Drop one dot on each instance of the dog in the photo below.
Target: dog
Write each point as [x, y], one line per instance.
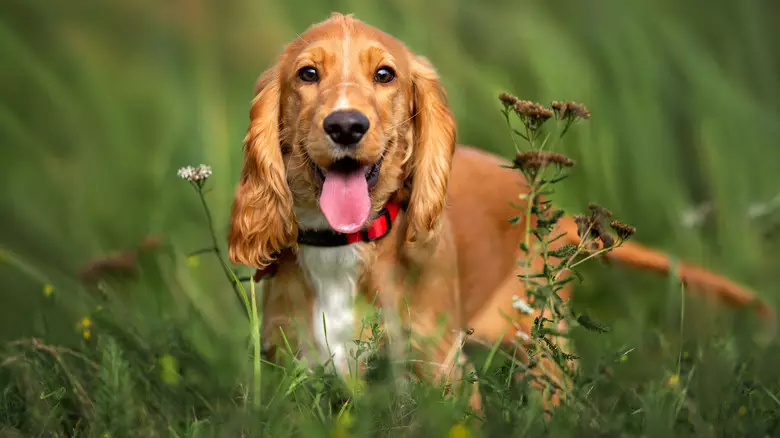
[353, 189]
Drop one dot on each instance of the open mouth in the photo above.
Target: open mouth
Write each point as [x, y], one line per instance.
[349, 165]
[345, 200]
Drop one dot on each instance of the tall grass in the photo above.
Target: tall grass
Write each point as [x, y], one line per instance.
[103, 101]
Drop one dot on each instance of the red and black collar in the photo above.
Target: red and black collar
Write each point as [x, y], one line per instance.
[379, 228]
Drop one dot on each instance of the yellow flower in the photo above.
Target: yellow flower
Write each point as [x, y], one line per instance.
[674, 379]
[86, 333]
[48, 289]
[193, 261]
[85, 322]
[742, 411]
[459, 430]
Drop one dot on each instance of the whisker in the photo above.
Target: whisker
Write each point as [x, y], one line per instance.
[393, 127]
[305, 161]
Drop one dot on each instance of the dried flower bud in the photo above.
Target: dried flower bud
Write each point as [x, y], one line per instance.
[623, 231]
[583, 223]
[532, 111]
[572, 110]
[508, 99]
[535, 160]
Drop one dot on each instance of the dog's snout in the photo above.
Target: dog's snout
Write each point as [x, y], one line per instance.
[346, 127]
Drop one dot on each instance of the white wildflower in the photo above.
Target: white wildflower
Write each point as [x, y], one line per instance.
[759, 209]
[695, 216]
[522, 305]
[523, 336]
[192, 174]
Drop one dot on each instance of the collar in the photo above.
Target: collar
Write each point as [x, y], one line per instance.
[379, 227]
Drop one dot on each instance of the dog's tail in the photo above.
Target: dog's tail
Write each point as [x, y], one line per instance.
[692, 276]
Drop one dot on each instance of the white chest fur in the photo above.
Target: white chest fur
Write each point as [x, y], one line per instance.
[333, 274]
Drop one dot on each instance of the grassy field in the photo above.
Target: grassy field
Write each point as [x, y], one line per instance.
[103, 101]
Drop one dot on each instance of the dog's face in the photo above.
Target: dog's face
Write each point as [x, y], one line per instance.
[346, 118]
[348, 96]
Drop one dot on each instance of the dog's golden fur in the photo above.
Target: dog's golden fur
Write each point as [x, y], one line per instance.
[287, 113]
[451, 252]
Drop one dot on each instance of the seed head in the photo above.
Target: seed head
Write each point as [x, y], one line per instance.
[535, 160]
[592, 226]
[508, 99]
[583, 223]
[571, 110]
[623, 231]
[532, 111]
[193, 174]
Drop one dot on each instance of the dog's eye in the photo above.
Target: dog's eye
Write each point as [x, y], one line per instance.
[308, 74]
[384, 75]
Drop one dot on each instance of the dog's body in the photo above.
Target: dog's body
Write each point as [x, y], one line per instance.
[470, 276]
[347, 123]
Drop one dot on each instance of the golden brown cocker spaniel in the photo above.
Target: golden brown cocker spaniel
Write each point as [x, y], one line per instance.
[353, 188]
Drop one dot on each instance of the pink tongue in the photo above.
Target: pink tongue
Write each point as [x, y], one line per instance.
[344, 200]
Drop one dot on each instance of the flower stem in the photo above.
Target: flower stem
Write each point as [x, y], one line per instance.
[215, 245]
[255, 319]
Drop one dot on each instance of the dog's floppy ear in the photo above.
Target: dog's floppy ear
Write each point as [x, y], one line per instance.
[432, 149]
[262, 222]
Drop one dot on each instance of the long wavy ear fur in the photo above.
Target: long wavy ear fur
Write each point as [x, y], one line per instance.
[261, 223]
[433, 147]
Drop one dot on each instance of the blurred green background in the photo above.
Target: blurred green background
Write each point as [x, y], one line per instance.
[103, 101]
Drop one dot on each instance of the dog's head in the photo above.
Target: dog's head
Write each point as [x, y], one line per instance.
[346, 118]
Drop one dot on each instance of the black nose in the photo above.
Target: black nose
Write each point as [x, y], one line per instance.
[346, 127]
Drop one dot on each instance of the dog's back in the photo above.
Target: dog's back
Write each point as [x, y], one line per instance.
[480, 197]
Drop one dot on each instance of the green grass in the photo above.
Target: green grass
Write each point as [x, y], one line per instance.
[102, 102]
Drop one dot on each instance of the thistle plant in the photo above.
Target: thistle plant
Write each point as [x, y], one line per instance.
[541, 131]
